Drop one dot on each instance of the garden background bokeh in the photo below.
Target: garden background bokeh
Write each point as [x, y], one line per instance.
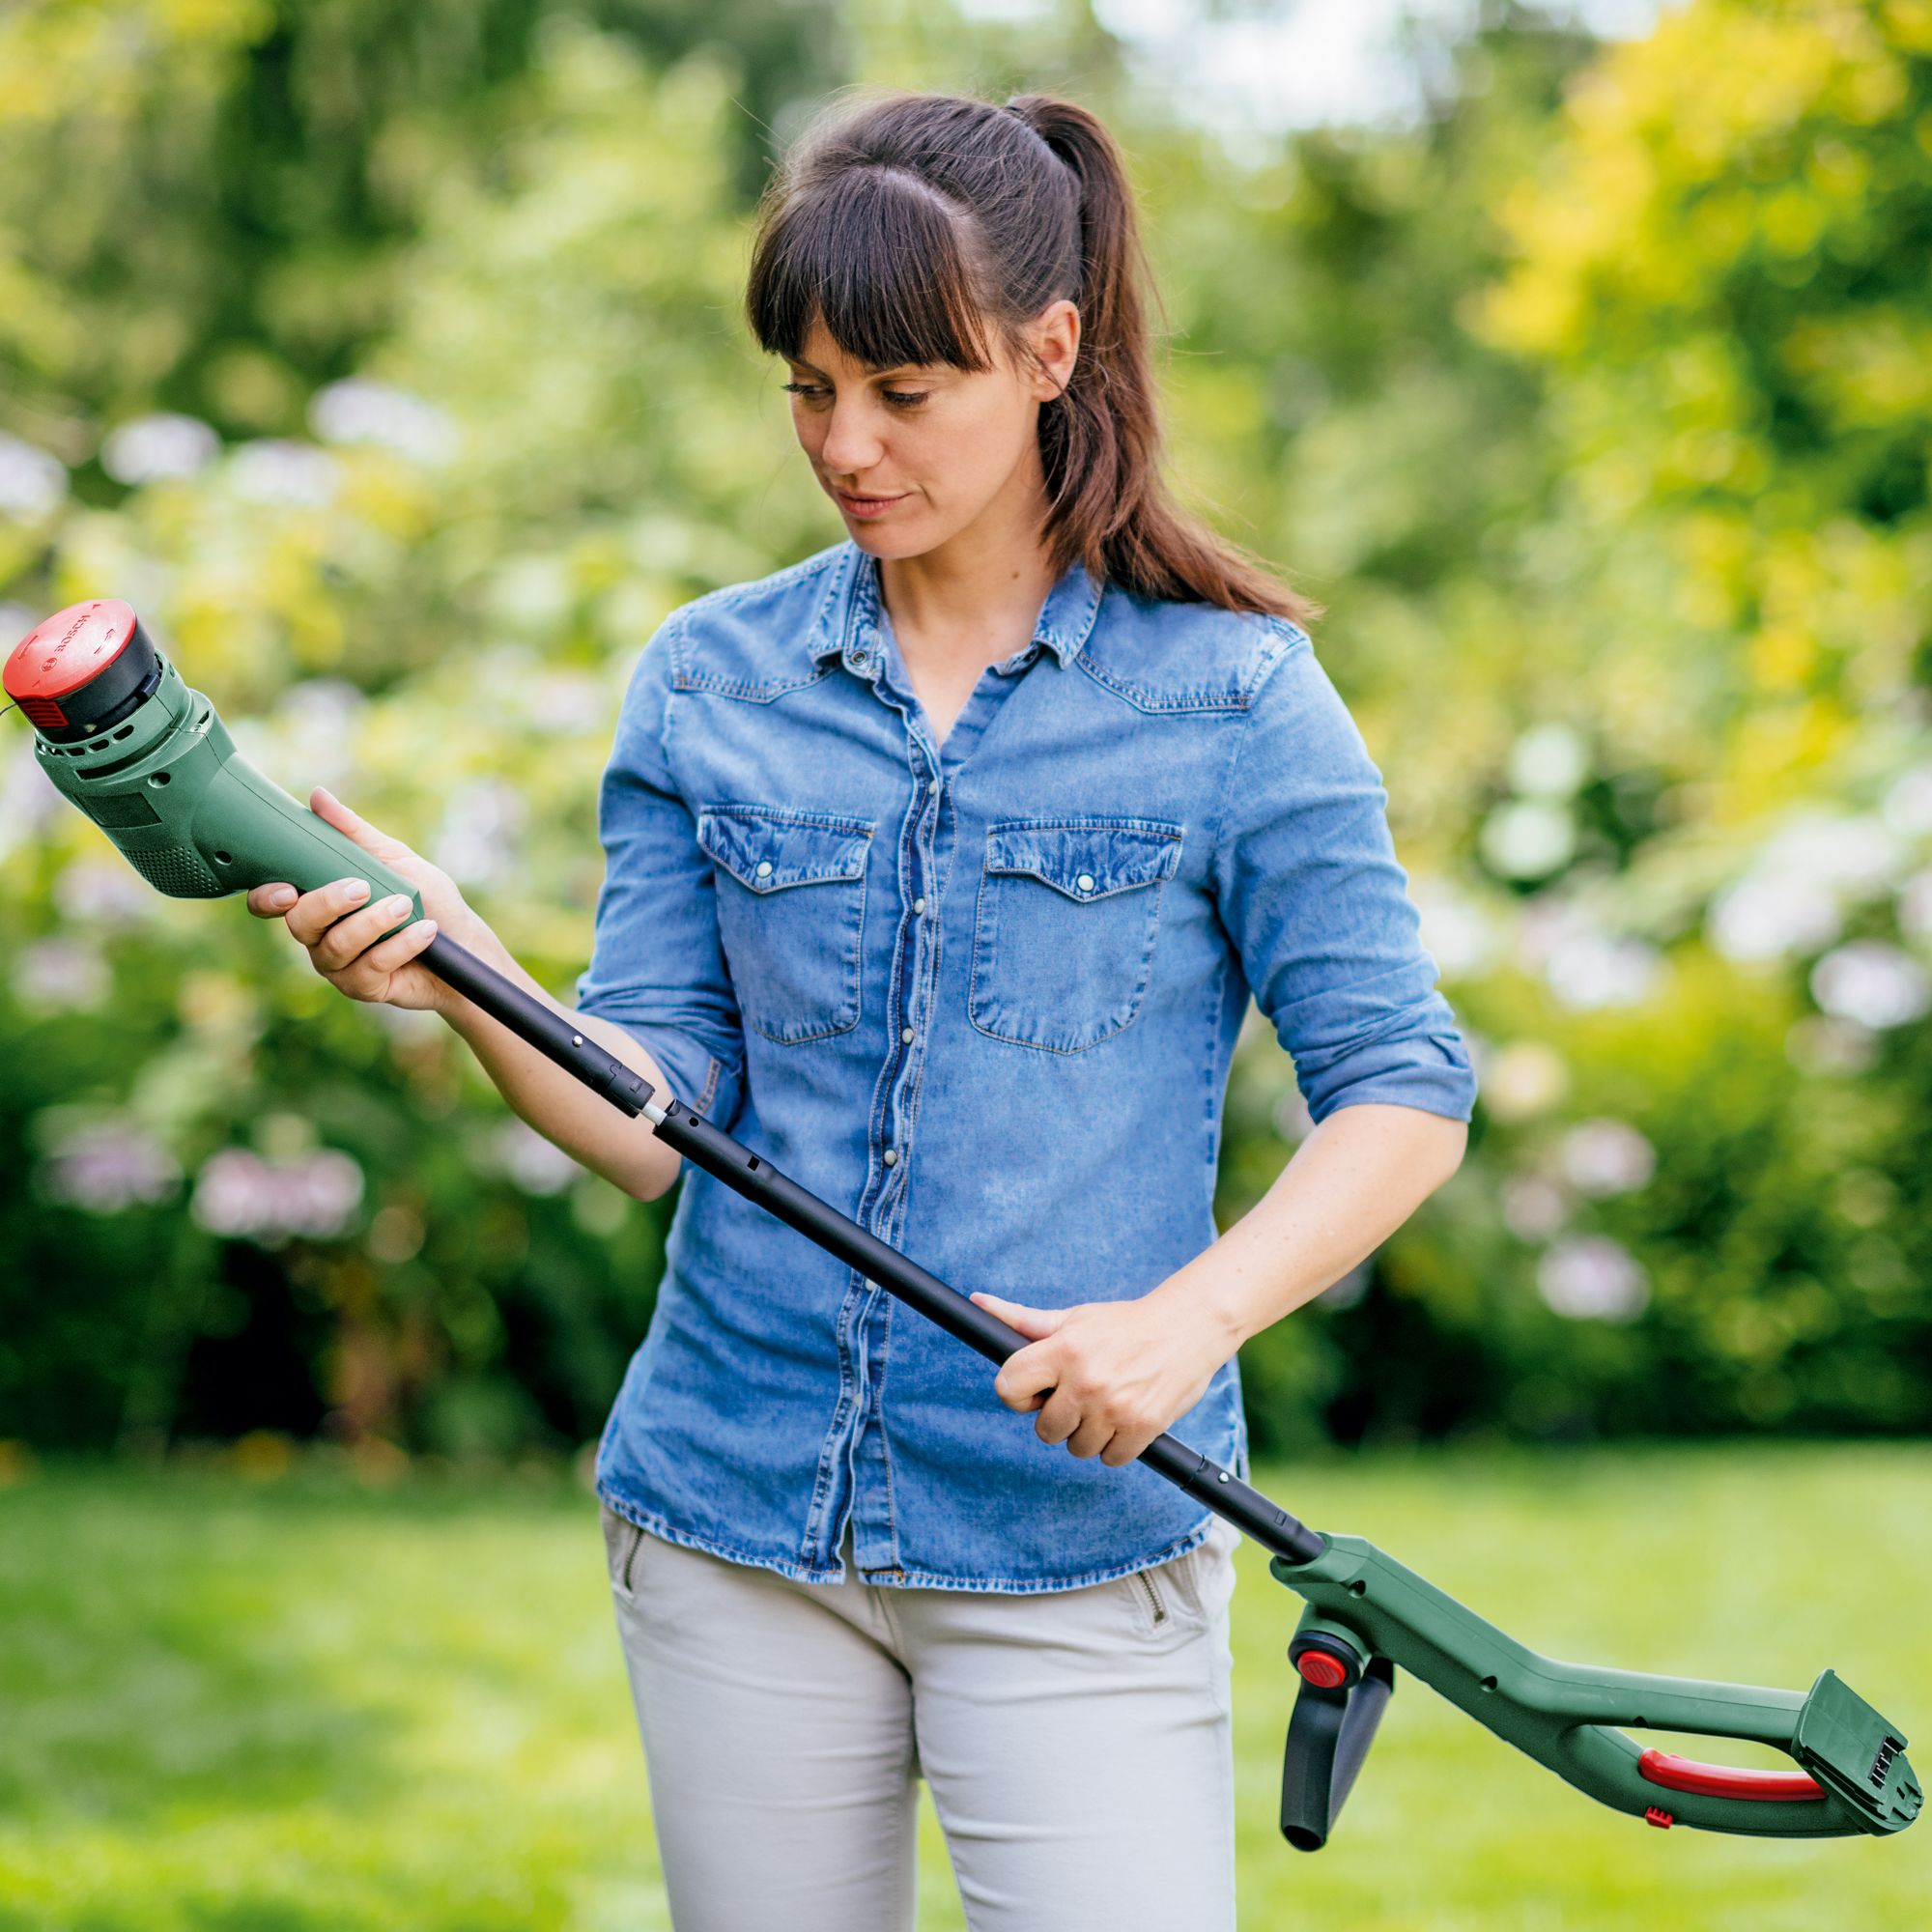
[387, 357]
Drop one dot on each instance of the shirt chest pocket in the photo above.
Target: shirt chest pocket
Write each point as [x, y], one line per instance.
[791, 913]
[1064, 935]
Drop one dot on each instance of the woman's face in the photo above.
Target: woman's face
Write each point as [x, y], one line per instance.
[914, 456]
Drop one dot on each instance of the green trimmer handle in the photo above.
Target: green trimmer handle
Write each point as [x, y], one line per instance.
[1361, 1604]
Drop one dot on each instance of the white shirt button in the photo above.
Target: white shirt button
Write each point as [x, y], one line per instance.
[905, 1034]
[1085, 882]
[918, 905]
[764, 867]
[890, 1157]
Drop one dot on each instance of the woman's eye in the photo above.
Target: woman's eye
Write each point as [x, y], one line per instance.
[813, 392]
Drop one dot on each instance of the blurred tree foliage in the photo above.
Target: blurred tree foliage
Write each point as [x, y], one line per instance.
[388, 360]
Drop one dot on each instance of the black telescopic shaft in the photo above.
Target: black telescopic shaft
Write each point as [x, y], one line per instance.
[759, 1181]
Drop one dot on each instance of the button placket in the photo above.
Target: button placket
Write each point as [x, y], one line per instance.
[925, 817]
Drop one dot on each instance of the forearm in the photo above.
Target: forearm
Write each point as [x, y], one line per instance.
[1348, 1187]
[559, 1106]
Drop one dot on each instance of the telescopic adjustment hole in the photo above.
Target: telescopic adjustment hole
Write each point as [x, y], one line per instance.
[1489, 1683]
[224, 858]
[161, 778]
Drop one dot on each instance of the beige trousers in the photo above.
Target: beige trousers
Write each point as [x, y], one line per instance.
[1077, 1743]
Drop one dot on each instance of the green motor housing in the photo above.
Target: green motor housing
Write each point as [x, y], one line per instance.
[145, 756]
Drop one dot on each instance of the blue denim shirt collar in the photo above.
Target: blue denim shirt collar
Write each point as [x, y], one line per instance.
[849, 613]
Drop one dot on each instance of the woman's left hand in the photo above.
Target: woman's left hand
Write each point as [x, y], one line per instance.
[1121, 1372]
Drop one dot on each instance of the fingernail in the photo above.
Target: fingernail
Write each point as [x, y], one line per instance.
[396, 905]
[359, 889]
[428, 931]
[282, 895]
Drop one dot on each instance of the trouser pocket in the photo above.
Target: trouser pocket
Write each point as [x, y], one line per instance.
[622, 1538]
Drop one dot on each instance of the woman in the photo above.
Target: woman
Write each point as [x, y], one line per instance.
[942, 866]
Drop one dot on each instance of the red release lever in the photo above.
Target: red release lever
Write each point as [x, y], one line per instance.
[1724, 1780]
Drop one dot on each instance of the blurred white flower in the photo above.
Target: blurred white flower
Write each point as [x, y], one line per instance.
[15, 621]
[276, 470]
[412, 1025]
[1915, 906]
[1349, 1290]
[238, 1193]
[145, 447]
[104, 1165]
[570, 701]
[315, 730]
[1534, 1208]
[31, 482]
[1527, 838]
[1457, 932]
[1872, 982]
[1592, 1277]
[531, 593]
[30, 805]
[61, 973]
[358, 410]
[476, 842]
[1762, 918]
[1292, 1120]
[1604, 1157]
[105, 892]
[1548, 762]
[1527, 1077]
[1908, 804]
[1794, 897]
[1818, 1044]
[538, 1166]
[1855, 851]
[1601, 969]
[320, 704]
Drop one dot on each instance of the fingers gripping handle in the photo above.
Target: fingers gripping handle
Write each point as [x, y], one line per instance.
[1337, 1713]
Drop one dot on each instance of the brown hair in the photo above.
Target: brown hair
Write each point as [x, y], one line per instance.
[903, 223]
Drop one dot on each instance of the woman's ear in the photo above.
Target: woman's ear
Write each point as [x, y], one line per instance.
[1056, 347]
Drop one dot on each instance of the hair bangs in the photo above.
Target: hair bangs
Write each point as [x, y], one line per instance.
[878, 255]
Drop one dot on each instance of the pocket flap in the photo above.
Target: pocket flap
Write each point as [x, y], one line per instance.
[1086, 858]
[767, 847]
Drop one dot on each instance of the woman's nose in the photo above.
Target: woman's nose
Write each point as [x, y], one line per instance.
[851, 445]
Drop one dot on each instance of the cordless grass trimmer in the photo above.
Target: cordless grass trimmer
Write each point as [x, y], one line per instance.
[144, 758]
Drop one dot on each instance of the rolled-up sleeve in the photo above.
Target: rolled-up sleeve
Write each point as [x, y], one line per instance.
[1318, 908]
[657, 966]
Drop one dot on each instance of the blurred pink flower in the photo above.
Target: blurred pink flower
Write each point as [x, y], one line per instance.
[237, 1192]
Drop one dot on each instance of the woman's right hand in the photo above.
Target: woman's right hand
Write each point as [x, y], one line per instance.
[340, 948]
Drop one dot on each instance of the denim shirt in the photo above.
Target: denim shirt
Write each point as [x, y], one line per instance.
[981, 996]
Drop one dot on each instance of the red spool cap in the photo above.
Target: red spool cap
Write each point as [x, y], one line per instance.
[1322, 1669]
[64, 652]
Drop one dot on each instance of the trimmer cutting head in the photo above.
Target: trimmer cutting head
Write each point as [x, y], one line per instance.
[145, 756]
[82, 671]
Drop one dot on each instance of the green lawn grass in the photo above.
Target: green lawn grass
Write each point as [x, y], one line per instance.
[247, 1706]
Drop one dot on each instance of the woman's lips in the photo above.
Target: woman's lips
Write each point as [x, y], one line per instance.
[866, 506]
